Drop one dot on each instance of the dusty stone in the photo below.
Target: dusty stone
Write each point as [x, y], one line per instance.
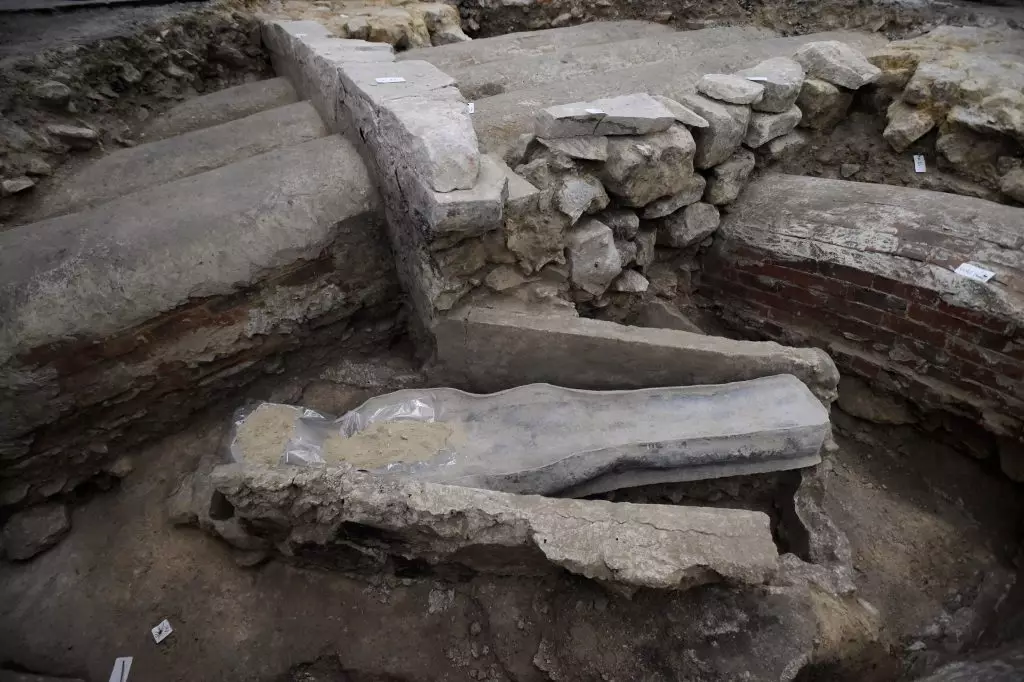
[35, 530]
[535, 232]
[13, 136]
[462, 260]
[688, 226]
[645, 243]
[660, 314]
[858, 400]
[504, 277]
[636, 114]
[470, 211]
[642, 169]
[783, 147]
[848, 170]
[652, 546]
[592, 256]
[729, 88]
[36, 166]
[397, 27]
[1001, 113]
[624, 223]
[627, 251]
[1012, 184]
[783, 79]
[727, 124]
[442, 22]
[664, 280]
[16, 185]
[726, 180]
[693, 191]
[630, 282]
[579, 194]
[52, 93]
[77, 137]
[974, 155]
[683, 115]
[766, 127]
[933, 84]
[906, 125]
[587, 147]
[836, 63]
[823, 104]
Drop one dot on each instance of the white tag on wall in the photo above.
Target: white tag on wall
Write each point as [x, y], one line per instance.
[390, 79]
[162, 629]
[974, 272]
[471, 107]
[919, 166]
[122, 666]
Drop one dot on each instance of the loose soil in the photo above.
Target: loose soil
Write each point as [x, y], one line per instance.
[384, 443]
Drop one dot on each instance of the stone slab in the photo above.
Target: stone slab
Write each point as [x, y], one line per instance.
[135, 168]
[220, 107]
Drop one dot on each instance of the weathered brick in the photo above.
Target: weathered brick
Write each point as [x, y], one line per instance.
[908, 292]
[846, 273]
[915, 330]
[876, 299]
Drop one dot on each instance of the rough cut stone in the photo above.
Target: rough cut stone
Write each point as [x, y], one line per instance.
[858, 400]
[726, 180]
[593, 257]
[1012, 184]
[660, 314]
[907, 124]
[689, 226]
[642, 169]
[729, 88]
[624, 223]
[650, 546]
[823, 104]
[785, 146]
[469, 211]
[683, 115]
[587, 147]
[29, 532]
[16, 185]
[52, 93]
[693, 191]
[630, 282]
[627, 251]
[436, 139]
[645, 243]
[504, 277]
[837, 63]
[579, 194]
[765, 127]
[77, 137]
[727, 124]
[636, 114]
[783, 79]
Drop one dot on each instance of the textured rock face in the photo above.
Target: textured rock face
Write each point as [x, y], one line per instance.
[693, 191]
[823, 105]
[730, 88]
[906, 125]
[580, 194]
[836, 63]
[781, 79]
[766, 127]
[727, 179]
[689, 226]
[727, 124]
[367, 522]
[636, 114]
[642, 169]
[35, 530]
[594, 260]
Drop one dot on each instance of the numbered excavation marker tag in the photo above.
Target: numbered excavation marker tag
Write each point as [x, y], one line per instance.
[974, 272]
[390, 79]
[162, 629]
[919, 166]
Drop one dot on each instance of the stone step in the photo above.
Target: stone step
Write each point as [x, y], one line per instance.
[155, 163]
[566, 63]
[500, 119]
[220, 107]
[525, 44]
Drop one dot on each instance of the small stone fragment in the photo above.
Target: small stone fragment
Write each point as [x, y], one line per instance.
[693, 191]
[683, 114]
[580, 194]
[630, 282]
[35, 530]
[642, 169]
[587, 147]
[848, 170]
[907, 124]
[504, 277]
[823, 104]
[16, 185]
[836, 63]
[727, 124]
[688, 226]
[645, 243]
[593, 258]
[52, 93]
[664, 280]
[766, 127]
[730, 88]
[1012, 184]
[726, 180]
[627, 251]
[785, 146]
[624, 223]
[78, 137]
[783, 78]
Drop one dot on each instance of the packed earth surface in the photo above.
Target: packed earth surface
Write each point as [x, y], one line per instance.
[394, 341]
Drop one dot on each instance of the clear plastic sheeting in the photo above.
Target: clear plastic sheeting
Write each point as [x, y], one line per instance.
[544, 439]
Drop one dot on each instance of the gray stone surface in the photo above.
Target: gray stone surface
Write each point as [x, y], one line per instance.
[469, 211]
[34, 530]
[592, 256]
[1005, 664]
[726, 180]
[646, 240]
[823, 104]
[660, 314]
[1012, 184]
[783, 147]
[76, 137]
[781, 78]
[641, 169]
[630, 282]
[135, 168]
[635, 114]
[689, 226]
[633, 546]
[220, 107]
[765, 127]
[684, 115]
[624, 222]
[693, 191]
[579, 194]
[727, 126]
[729, 88]
[588, 148]
[858, 400]
[906, 124]
[837, 63]
[490, 351]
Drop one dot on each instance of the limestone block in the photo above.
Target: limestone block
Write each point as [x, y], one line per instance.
[727, 124]
[766, 127]
[782, 79]
[624, 222]
[34, 530]
[934, 84]
[645, 243]
[1012, 184]
[683, 115]
[579, 194]
[783, 147]
[689, 226]
[837, 63]
[593, 258]
[733, 89]
[906, 125]
[693, 191]
[726, 180]
[642, 169]
[469, 211]
[630, 282]
[627, 251]
[823, 104]
[660, 314]
[635, 114]
[587, 147]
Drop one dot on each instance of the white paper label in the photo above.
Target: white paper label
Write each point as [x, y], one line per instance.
[161, 631]
[974, 272]
[122, 666]
[594, 111]
[919, 163]
[471, 107]
[758, 78]
[390, 79]
[297, 35]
